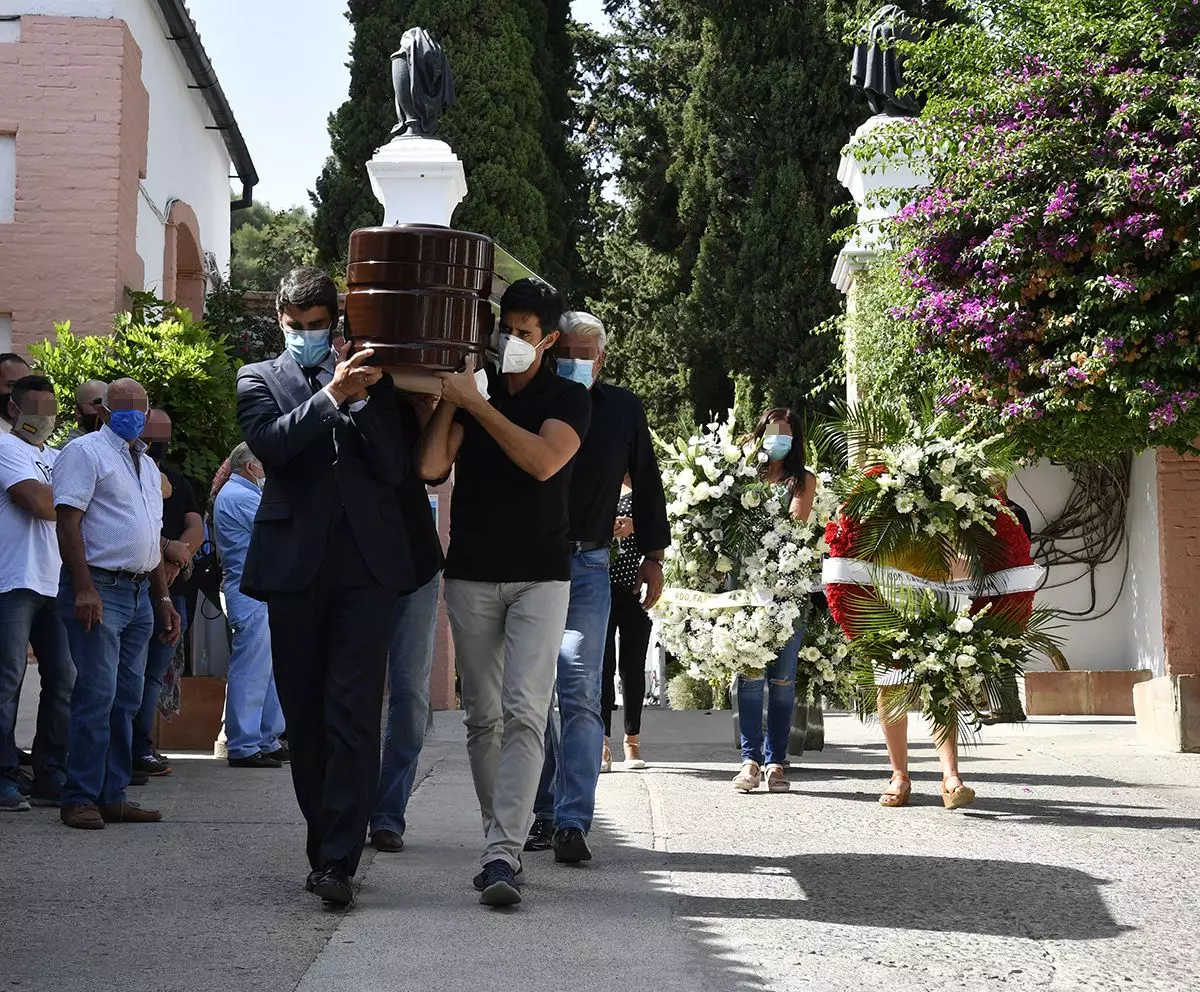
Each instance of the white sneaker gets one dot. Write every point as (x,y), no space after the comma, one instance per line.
(749,778)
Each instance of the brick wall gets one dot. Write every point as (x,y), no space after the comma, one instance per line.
(1179,555)
(74,98)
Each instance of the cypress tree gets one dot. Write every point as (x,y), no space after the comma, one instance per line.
(509,130)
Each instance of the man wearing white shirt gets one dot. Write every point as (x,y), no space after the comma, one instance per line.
(108,497)
(12,368)
(29,574)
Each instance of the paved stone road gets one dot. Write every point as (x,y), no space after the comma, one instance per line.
(1078,869)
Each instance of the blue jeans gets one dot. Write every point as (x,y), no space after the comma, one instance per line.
(781,701)
(567,791)
(253,716)
(29,618)
(410,663)
(158,661)
(110,672)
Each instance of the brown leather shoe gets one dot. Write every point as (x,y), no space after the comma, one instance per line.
(128,813)
(85,817)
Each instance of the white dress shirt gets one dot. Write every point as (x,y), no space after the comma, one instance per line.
(122,506)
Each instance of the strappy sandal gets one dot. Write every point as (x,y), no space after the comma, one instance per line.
(893,800)
(960,795)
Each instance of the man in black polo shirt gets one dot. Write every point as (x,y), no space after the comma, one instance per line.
(618,442)
(508,569)
(182,535)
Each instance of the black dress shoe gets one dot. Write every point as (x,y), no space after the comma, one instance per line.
(332,884)
(388,841)
(281,754)
(259,760)
(541,836)
(570,846)
(311,881)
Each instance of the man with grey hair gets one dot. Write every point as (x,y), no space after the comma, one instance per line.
(618,443)
(253,717)
(89,398)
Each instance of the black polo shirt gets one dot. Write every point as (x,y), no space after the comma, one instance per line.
(176,507)
(505,525)
(619,441)
(423,542)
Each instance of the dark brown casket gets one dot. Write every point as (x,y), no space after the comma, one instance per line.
(419,296)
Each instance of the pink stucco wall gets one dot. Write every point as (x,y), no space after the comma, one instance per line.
(74,98)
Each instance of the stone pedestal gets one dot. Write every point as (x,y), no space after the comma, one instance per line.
(418,181)
(1168,712)
(1082,693)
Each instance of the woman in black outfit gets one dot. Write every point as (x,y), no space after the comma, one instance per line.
(628,617)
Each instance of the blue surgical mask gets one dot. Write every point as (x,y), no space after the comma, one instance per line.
(127,424)
(581,370)
(777,446)
(309,348)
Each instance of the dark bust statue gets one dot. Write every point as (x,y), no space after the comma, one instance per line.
(878,68)
(423,82)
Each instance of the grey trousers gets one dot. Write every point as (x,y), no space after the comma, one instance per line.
(506,639)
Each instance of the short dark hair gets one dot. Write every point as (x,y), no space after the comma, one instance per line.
(30,384)
(305,288)
(12,356)
(535,297)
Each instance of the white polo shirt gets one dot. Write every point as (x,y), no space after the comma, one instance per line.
(29,557)
(122,506)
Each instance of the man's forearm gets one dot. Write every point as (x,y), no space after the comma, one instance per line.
(434,447)
(158,584)
(70,543)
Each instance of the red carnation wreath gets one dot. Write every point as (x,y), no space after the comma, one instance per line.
(1012,551)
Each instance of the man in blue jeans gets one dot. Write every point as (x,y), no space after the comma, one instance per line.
(182,535)
(253,715)
(410,657)
(29,571)
(108,500)
(618,443)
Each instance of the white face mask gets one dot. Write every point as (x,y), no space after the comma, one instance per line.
(516,355)
(260,480)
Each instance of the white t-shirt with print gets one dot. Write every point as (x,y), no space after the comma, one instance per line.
(29,555)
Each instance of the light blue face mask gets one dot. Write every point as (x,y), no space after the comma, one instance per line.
(581,370)
(777,446)
(309,348)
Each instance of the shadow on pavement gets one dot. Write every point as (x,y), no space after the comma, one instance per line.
(1000,898)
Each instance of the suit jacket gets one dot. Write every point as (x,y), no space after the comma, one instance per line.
(317,460)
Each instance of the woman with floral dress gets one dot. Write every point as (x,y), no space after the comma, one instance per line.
(782,436)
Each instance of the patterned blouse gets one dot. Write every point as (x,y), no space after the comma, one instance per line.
(629,555)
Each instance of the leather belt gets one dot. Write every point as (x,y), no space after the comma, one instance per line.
(120,573)
(582,546)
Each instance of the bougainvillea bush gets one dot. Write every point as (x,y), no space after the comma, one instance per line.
(1055,257)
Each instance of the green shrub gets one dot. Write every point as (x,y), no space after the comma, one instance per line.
(186,369)
(687,693)
(251,337)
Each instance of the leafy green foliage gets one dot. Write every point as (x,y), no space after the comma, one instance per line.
(250,336)
(514,70)
(721,127)
(267,244)
(955,664)
(1046,281)
(186,369)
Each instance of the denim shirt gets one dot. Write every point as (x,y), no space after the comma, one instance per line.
(233,520)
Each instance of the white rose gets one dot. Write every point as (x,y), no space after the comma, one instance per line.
(751,499)
(948,466)
(692,567)
(964,624)
(724,564)
(964,660)
(732,453)
(703,491)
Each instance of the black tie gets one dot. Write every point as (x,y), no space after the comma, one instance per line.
(314,379)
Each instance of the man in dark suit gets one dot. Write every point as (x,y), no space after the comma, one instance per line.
(329,555)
